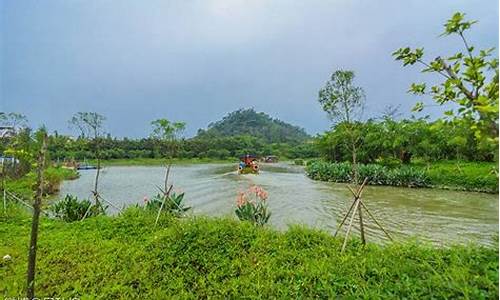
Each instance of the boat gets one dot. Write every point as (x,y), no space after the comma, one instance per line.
(86,167)
(248,165)
(270,159)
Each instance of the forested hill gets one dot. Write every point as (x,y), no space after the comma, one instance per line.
(257,124)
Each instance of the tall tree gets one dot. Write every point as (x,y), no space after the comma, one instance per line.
(344,103)
(469,80)
(91,125)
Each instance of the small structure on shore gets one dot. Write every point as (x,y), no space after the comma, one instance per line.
(248,165)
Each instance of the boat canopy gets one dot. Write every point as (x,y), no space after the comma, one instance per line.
(248,157)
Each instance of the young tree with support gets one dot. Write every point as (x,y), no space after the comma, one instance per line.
(167,134)
(344,103)
(91,125)
(40,168)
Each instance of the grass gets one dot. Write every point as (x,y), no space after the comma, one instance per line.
(126,257)
(459,175)
(456,175)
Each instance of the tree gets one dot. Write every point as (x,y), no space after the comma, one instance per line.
(12,120)
(344,103)
(90,125)
(470,80)
(42,139)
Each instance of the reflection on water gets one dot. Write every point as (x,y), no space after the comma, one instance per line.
(434,215)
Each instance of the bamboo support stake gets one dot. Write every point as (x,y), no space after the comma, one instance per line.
(109,202)
(357,195)
(375,220)
(166,195)
(350,226)
(19,200)
(345,218)
(361,226)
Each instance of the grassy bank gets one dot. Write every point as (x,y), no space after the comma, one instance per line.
(467,176)
(160,161)
(53,177)
(127,257)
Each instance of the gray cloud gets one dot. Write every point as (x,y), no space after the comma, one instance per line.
(135,61)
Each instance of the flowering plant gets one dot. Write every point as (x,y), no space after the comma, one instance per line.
(251,206)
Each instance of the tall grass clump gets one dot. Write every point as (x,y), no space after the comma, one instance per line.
(377,174)
(71,209)
(172,204)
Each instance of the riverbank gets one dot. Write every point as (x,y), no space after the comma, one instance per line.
(128,257)
(53,178)
(454,175)
(160,161)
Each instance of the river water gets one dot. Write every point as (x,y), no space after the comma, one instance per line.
(431,215)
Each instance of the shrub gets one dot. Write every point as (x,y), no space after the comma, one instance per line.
(376,174)
(71,209)
(252,206)
(174,204)
(299,162)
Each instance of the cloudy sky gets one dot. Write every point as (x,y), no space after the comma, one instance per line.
(135,61)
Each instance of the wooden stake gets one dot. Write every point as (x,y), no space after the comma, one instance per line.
(165,197)
(361,226)
(375,220)
(345,218)
(356,197)
(350,225)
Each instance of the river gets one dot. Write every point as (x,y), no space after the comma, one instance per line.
(441,217)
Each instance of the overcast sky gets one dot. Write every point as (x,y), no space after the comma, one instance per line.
(194,61)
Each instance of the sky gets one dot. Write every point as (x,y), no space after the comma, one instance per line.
(195,61)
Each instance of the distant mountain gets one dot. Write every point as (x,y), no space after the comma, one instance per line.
(257,124)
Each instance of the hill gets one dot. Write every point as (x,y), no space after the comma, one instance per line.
(257,124)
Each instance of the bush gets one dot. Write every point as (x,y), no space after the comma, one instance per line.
(174,204)
(299,162)
(70,209)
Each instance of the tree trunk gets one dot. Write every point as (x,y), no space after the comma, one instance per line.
(34,224)
(96,183)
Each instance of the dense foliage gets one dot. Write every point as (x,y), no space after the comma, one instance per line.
(240,132)
(404,139)
(54,176)
(469,80)
(482,177)
(127,257)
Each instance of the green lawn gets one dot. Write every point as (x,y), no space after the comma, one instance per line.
(127,257)
(470,176)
